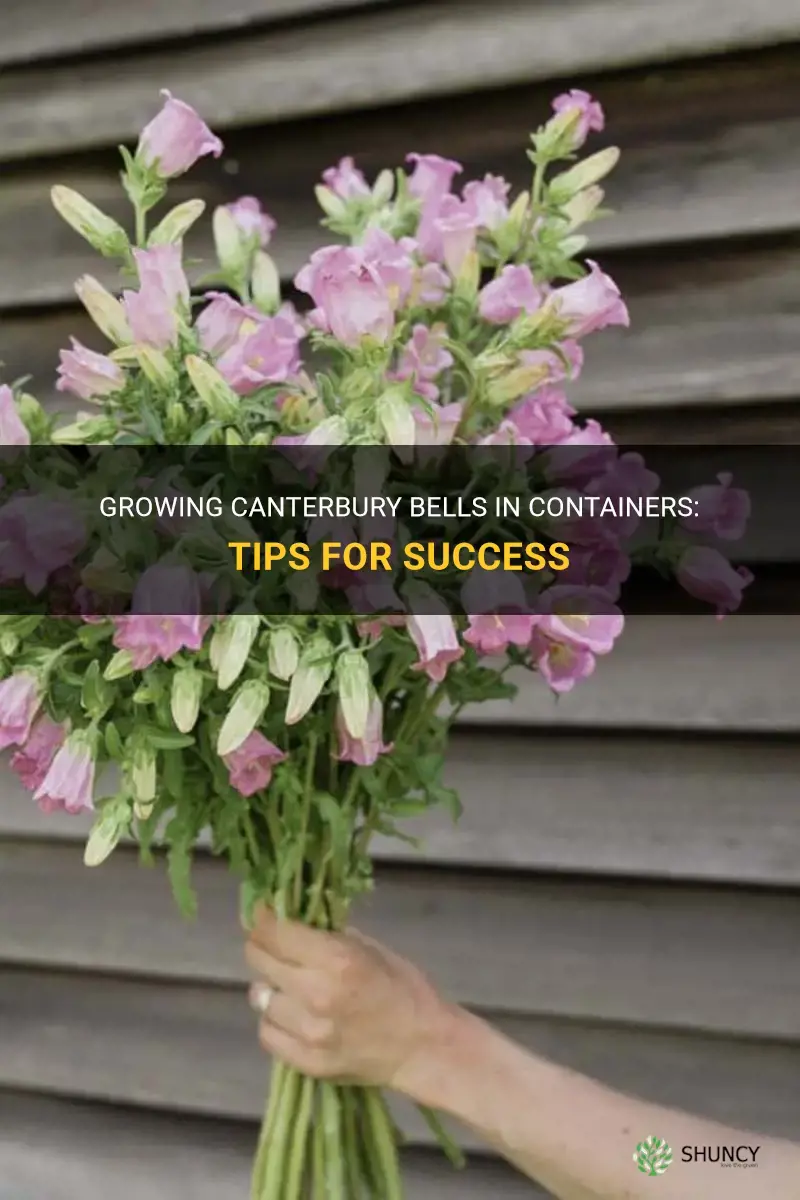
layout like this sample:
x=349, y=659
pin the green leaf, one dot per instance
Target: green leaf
x=113, y=742
x=334, y=817
x=179, y=871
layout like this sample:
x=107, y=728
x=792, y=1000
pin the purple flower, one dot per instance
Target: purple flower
x=88, y=374
x=423, y=358
x=433, y=175
x=719, y=509
x=161, y=268
x=219, y=324
x=270, y=353
x=345, y=180
x=512, y=293
x=627, y=477
x=543, y=418
x=352, y=300
x=437, y=426
x=437, y=644
x=393, y=262
x=487, y=200
x=165, y=617
x=589, y=112
x=20, y=698
x=174, y=140
x=564, y=361
x=32, y=762
x=69, y=782
x=251, y=219
x=41, y=535
x=590, y=303
x=457, y=229
x=366, y=750
x=250, y=765
x=562, y=664
x=707, y=575
x=13, y=431
x=581, y=616
x=431, y=284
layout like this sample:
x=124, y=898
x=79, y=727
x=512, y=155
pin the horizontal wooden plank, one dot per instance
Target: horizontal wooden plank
x=716, y=329
x=707, y=153
x=379, y=58
x=49, y=1151
x=626, y=952
x=42, y=29
x=718, y=812
x=137, y=1042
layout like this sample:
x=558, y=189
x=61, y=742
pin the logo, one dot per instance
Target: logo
x=653, y=1156
x=726, y=1156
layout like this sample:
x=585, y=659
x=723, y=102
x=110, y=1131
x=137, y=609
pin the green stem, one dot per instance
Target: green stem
x=141, y=225
x=308, y=795
x=275, y=1094
x=298, y=1152
x=318, y=1153
x=352, y=1157
x=332, y=1131
x=383, y=1134
x=454, y=1152
x=276, y=1146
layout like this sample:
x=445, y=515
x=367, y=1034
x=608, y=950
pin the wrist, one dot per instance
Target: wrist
x=445, y=1059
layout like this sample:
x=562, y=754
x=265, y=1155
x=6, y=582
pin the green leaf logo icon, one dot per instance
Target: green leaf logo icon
x=653, y=1156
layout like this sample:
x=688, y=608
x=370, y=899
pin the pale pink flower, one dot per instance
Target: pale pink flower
x=457, y=228
x=497, y=605
x=562, y=664
x=165, y=616
x=393, y=261
x=40, y=536
x=437, y=644
x=591, y=303
x=487, y=200
x=13, y=431
x=69, y=782
x=590, y=113
x=506, y=434
x=581, y=616
x=32, y=762
x=374, y=626
x=219, y=324
x=152, y=319
x=345, y=180
x=366, y=750
x=423, y=358
x=352, y=299
x=88, y=374
x=707, y=575
x=268, y=354
x=251, y=220
x=544, y=417
x=564, y=361
x=437, y=426
x=491, y=633
x=431, y=284
x=719, y=509
x=433, y=175
x=161, y=268
x=250, y=765
x=20, y=697
x=512, y=293
x=174, y=140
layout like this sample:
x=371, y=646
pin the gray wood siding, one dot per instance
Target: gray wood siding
x=623, y=892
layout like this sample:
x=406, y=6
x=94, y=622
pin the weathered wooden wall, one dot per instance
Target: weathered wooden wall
x=624, y=890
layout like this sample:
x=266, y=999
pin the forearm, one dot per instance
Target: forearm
x=576, y=1137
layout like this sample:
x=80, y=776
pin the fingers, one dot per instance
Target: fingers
x=305, y=1058
x=281, y=975
x=291, y=941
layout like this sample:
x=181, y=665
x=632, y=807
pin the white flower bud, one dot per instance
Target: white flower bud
x=266, y=283
x=143, y=773
x=104, y=309
x=244, y=714
x=313, y=672
x=228, y=242
x=582, y=207
x=383, y=188
x=187, y=688
x=156, y=366
x=218, y=396
x=594, y=168
x=396, y=418
x=102, y=840
x=240, y=634
x=177, y=223
x=332, y=431
x=284, y=654
x=331, y=204
x=119, y=666
x=102, y=232
x=354, y=686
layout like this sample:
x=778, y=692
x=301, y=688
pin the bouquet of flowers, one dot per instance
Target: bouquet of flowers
x=288, y=739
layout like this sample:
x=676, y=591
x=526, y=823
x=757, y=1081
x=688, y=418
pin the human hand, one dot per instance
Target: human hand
x=343, y=1006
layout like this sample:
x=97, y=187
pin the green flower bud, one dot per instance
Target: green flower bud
x=332, y=431
x=102, y=232
x=228, y=241
x=143, y=773
x=33, y=416
x=156, y=366
x=283, y=653
x=218, y=396
x=119, y=666
x=583, y=175
x=243, y=716
x=313, y=672
x=187, y=688
x=266, y=283
x=329, y=202
x=354, y=685
x=240, y=633
x=383, y=188
x=177, y=223
x=104, y=309
x=103, y=839
x=396, y=418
